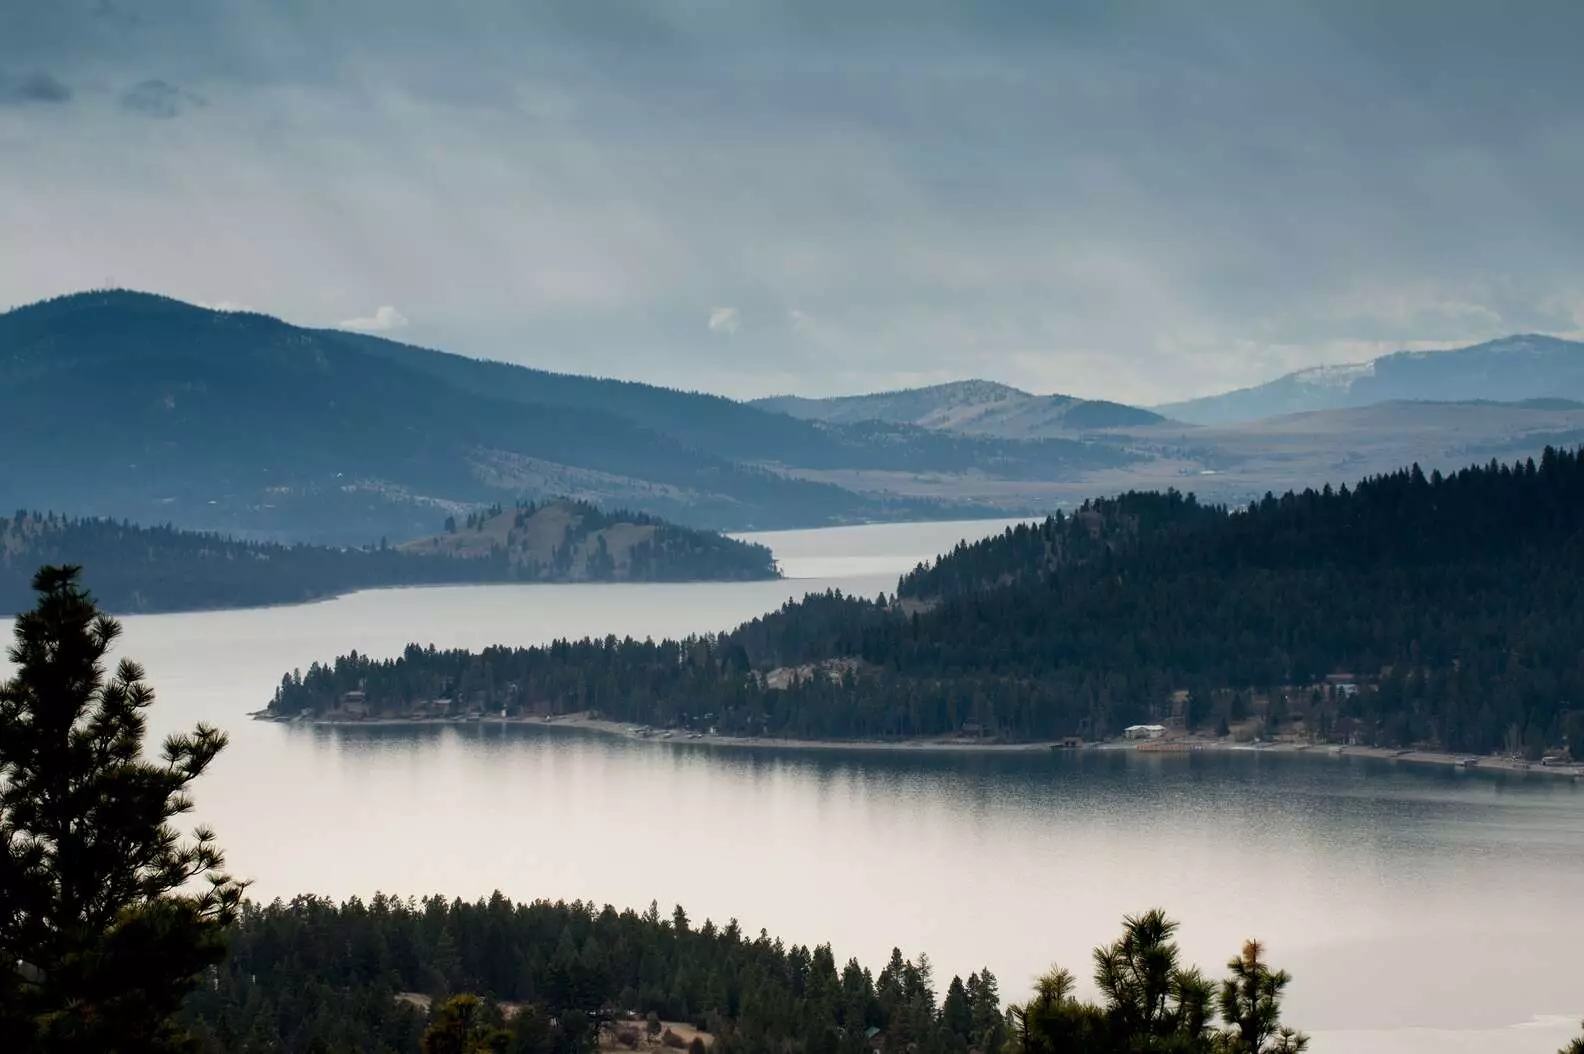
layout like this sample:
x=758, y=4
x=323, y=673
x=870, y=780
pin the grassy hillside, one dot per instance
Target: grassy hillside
x=978, y=408
x=570, y=541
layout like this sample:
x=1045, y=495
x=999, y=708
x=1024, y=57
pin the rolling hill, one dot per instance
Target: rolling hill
x=135, y=569
x=132, y=405
x=1511, y=369
x=571, y=541
x=982, y=408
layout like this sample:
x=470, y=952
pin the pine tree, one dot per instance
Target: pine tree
x=107, y=917
x=461, y=1025
x=1251, y=1006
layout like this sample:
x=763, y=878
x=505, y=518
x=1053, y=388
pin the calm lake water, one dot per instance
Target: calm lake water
x=1419, y=910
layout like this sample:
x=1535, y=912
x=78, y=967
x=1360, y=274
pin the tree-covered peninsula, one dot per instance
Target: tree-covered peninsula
x=1408, y=609
x=143, y=569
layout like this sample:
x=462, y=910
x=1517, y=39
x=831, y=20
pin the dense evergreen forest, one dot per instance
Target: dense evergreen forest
x=141, y=569
x=1410, y=609
x=543, y=978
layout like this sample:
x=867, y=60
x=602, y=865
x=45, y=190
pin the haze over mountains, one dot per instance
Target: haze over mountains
x=1526, y=366
x=969, y=407
x=243, y=423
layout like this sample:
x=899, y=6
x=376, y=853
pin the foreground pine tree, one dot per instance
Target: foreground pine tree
x=1151, y=1002
x=107, y=916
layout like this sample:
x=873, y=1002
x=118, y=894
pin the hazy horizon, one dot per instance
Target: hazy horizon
x=1124, y=201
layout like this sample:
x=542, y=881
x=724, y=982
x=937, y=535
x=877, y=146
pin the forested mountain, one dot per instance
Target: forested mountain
x=241, y=422
x=971, y=408
x=1446, y=604
x=1511, y=369
x=545, y=978
x=133, y=569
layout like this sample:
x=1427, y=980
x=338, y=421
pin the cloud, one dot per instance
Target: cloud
x=383, y=320
x=159, y=99
x=109, y=11
x=1140, y=202
x=34, y=87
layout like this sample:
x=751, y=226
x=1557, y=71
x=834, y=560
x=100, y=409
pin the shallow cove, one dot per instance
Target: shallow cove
x=1419, y=909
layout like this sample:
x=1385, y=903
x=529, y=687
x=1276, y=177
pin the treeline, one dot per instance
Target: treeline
x=144, y=569
x=561, y=978
x=1448, y=602
x=138, y=569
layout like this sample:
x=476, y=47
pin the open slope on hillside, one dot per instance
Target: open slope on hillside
x=971, y=408
x=1448, y=605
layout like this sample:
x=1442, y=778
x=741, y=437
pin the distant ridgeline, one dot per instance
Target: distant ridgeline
x=1440, y=610
x=132, y=569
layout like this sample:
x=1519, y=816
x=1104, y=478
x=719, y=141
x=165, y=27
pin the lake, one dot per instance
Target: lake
x=1419, y=909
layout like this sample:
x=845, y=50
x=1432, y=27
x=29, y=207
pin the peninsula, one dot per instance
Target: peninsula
x=1410, y=610
x=148, y=569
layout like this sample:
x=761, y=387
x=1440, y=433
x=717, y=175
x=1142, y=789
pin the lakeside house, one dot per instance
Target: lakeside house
x=1144, y=732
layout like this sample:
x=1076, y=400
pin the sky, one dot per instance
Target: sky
x=1136, y=201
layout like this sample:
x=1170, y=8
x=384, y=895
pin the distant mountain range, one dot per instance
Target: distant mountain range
x=132, y=405
x=1511, y=369
x=128, y=405
x=972, y=408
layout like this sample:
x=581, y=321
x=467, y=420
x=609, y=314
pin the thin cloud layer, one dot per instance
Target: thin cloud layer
x=159, y=99
x=383, y=320
x=1136, y=201
x=35, y=86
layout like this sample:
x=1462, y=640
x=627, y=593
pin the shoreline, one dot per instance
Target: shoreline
x=342, y=594
x=958, y=745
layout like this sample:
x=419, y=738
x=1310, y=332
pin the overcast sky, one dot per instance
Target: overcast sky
x=1141, y=201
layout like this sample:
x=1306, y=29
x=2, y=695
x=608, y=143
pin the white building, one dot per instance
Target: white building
x=1144, y=731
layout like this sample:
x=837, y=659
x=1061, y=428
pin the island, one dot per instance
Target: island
x=1407, y=611
x=145, y=569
